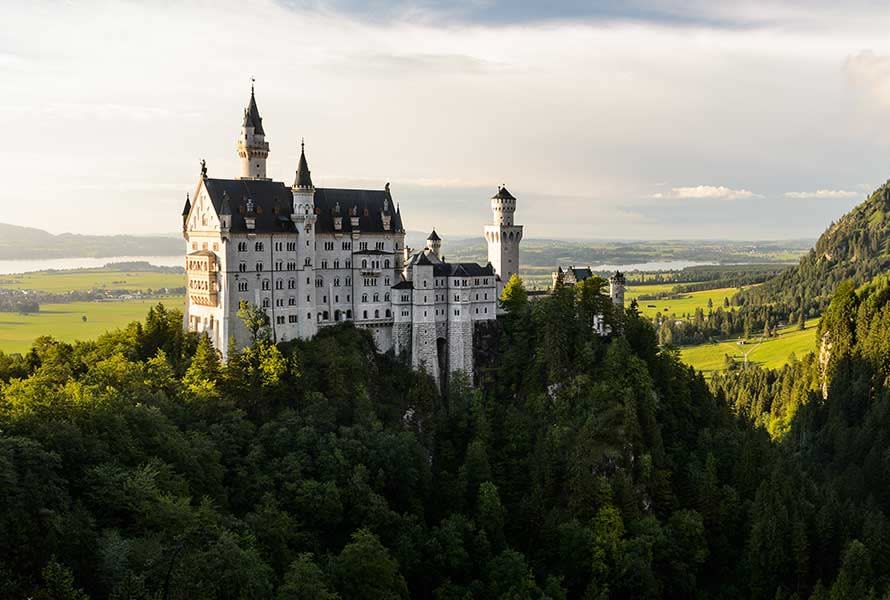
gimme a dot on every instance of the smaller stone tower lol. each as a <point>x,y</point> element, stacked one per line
<point>304,217</point>
<point>616,288</point>
<point>252,145</point>
<point>503,237</point>
<point>434,244</point>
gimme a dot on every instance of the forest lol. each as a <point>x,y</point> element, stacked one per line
<point>140,466</point>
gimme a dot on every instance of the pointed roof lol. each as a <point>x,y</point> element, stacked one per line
<point>434,237</point>
<point>252,116</point>
<point>503,194</point>
<point>188,206</point>
<point>304,176</point>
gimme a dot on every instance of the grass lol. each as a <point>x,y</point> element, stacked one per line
<point>58,282</point>
<point>771,353</point>
<point>684,304</point>
<point>65,321</point>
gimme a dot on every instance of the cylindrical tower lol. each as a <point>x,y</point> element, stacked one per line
<point>616,288</point>
<point>253,149</point>
<point>503,237</point>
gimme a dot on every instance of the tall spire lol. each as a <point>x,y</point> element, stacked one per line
<point>304,176</point>
<point>188,206</point>
<point>252,116</point>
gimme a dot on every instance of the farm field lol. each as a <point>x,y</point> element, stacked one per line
<point>772,353</point>
<point>65,321</point>
<point>59,282</point>
<point>684,305</point>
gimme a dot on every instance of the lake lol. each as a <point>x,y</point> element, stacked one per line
<point>9,267</point>
<point>667,265</point>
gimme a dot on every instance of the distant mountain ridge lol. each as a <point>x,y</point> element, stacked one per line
<point>25,243</point>
<point>856,247</point>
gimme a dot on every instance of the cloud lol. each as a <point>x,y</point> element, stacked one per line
<point>870,73</point>
<point>713,192</point>
<point>821,194</point>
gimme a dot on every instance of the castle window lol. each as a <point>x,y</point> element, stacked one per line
<point>307,281</point>
<point>336,298</point>
<point>278,246</point>
<point>347,245</point>
<point>279,302</point>
<point>348,264</point>
<point>291,318</point>
<point>259,266</point>
<point>477,296</point>
<point>424,283</point>
<point>336,282</point>
<point>364,297</point>
<point>348,314</point>
<point>376,297</point>
<point>291,284</point>
<point>279,320</point>
<point>291,301</point>
<point>291,246</point>
<point>308,262</point>
<point>364,264</point>
<point>364,314</point>
<point>242,286</point>
<point>485,281</point>
<point>386,297</point>
<point>279,285</point>
<point>258,246</point>
<point>336,315</point>
<point>348,281</point>
<point>376,314</point>
<point>348,299</point>
<point>308,299</point>
<point>456,313</point>
<point>380,245</point>
<point>477,281</point>
<point>424,313</point>
<point>386,281</point>
<point>265,284</point>
<point>326,316</point>
<point>324,299</point>
<point>485,296</point>
<point>242,267</point>
<point>486,309</point>
<point>266,303</point>
<point>386,263</point>
<point>336,264</point>
<point>388,315</point>
<point>363,245</point>
<point>309,316</point>
<point>457,297</point>
<point>324,264</point>
<point>242,246</point>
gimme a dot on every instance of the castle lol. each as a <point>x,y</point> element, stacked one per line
<point>314,257</point>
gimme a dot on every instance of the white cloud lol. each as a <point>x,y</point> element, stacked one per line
<point>715,192</point>
<point>821,194</point>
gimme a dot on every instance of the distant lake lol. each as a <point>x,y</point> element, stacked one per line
<point>9,267</point>
<point>667,265</point>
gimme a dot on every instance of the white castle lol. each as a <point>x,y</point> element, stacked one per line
<point>314,257</point>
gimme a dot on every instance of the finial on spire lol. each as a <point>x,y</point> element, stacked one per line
<point>302,144</point>
<point>252,81</point>
<point>203,168</point>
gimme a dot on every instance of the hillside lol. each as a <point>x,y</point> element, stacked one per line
<point>19,243</point>
<point>857,247</point>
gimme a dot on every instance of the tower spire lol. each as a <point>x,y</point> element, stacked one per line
<point>303,179</point>
<point>252,145</point>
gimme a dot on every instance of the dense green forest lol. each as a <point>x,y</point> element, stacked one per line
<point>139,466</point>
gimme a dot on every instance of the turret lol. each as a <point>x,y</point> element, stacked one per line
<point>304,191</point>
<point>503,237</point>
<point>252,145</point>
<point>616,288</point>
<point>185,212</point>
<point>434,243</point>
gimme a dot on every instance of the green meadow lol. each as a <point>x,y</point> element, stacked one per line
<point>683,304</point>
<point>66,321</point>
<point>770,353</point>
<point>59,282</point>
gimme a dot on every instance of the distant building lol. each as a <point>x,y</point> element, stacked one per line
<point>313,257</point>
<point>574,275</point>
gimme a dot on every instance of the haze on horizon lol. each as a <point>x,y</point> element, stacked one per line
<point>626,120</point>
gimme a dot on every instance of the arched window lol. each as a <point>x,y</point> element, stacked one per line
<point>326,315</point>
<point>364,297</point>
<point>386,263</point>
<point>376,297</point>
<point>266,303</point>
<point>348,314</point>
<point>386,297</point>
<point>258,246</point>
<point>365,314</point>
<point>376,314</point>
<point>336,315</point>
<point>387,313</point>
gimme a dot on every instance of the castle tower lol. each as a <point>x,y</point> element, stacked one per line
<point>434,243</point>
<point>252,145</point>
<point>503,237</point>
<point>304,217</point>
<point>616,288</point>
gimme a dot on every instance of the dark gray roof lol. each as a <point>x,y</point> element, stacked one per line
<point>434,237</point>
<point>445,269</point>
<point>404,285</point>
<point>188,206</point>
<point>503,194</point>
<point>374,252</point>
<point>369,205</point>
<point>273,202</point>
<point>252,116</point>
<point>304,176</point>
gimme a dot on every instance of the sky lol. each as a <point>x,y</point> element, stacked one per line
<point>615,119</point>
